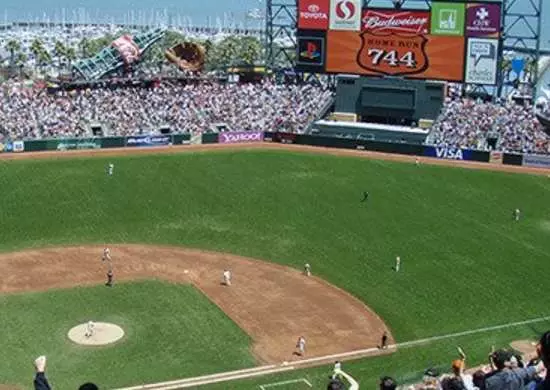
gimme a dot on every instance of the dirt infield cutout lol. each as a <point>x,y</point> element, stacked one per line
<point>102,333</point>
<point>273,304</point>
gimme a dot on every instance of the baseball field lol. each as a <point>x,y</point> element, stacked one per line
<point>470,275</point>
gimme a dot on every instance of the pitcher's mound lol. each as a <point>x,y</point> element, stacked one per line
<point>103,334</point>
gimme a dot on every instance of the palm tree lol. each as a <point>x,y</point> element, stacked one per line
<point>70,56</point>
<point>14,48</point>
<point>44,59</point>
<point>37,47</point>
<point>250,50</point>
<point>84,46</point>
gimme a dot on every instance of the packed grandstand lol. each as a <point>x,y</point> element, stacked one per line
<point>29,113</point>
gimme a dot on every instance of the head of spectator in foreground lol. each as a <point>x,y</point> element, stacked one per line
<point>544,349</point>
<point>501,359</point>
<point>452,383</point>
<point>479,379</point>
<point>387,383</point>
<point>88,386</point>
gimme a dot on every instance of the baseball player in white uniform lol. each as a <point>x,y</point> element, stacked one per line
<point>417,161</point>
<point>89,329</point>
<point>397,263</point>
<point>301,345</point>
<point>106,255</point>
<point>517,214</point>
<point>307,269</point>
<point>227,277</point>
<point>111,169</point>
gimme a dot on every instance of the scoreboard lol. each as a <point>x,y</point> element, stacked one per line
<point>454,41</point>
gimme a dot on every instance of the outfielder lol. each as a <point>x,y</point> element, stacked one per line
<point>307,269</point>
<point>110,169</point>
<point>89,329</point>
<point>301,345</point>
<point>517,214</point>
<point>227,277</point>
<point>397,263</point>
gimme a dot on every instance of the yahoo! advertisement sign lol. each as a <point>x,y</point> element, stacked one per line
<point>240,137</point>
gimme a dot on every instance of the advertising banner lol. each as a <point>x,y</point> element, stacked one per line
<point>392,54</point>
<point>496,157</point>
<point>482,61</point>
<point>240,137</point>
<point>5,147</point>
<point>313,14</point>
<point>18,146</point>
<point>448,19</point>
<point>448,153</point>
<point>311,51</point>
<point>386,21</point>
<point>537,161</point>
<point>148,140</point>
<point>74,144</point>
<point>483,20</point>
<point>345,15</point>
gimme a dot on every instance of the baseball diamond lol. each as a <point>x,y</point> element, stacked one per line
<point>176,218</point>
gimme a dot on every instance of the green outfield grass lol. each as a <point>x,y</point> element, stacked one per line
<point>465,262</point>
<point>171,331</point>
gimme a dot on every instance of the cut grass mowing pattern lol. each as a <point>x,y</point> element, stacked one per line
<point>465,263</point>
<point>171,331</point>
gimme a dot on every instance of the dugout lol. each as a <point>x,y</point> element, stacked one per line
<point>393,101</point>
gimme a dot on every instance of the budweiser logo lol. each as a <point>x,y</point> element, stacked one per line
<point>313,12</point>
<point>403,22</point>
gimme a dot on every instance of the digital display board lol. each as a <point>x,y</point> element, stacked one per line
<point>453,41</point>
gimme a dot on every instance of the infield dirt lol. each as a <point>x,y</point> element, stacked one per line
<point>273,304</point>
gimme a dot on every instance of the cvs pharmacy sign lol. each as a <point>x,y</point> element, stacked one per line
<point>313,14</point>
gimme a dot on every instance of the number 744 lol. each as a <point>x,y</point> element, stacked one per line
<point>392,58</point>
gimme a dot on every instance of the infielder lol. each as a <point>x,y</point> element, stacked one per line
<point>301,345</point>
<point>109,278</point>
<point>397,263</point>
<point>384,343</point>
<point>307,269</point>
<point>416,161</point>
<point>517,214</point>
<point>89,329</point>
<point>227,277</point>
<point>110,169</point>
<point>106,255</point>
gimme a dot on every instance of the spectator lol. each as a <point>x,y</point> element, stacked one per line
<point>40,380</point>
<point>387,383</point>
<point>544,353</point>
<point>506,378</point>
<point>478,379</point>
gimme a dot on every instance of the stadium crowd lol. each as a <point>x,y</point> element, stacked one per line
<point>468,123</point>
<point>506,371</point>
<point>28,113</point>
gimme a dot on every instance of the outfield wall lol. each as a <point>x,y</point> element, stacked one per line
<point>138,141</point>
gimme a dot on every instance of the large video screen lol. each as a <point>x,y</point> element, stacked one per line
<point>453,41</point>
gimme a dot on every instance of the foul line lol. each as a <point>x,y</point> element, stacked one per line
<point>301,380</point>
<point>273,369</point>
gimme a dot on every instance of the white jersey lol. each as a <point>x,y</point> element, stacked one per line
<point>227,276</point>
<point>111,169</point>
<point>301,343</point>
<point>106,254</point>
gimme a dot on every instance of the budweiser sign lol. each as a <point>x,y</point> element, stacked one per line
<point>399,22</point>
<point>313,14</point>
